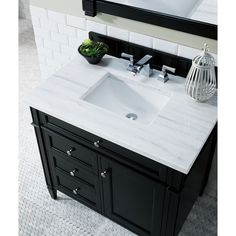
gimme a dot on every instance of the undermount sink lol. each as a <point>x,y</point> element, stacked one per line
<point>127,98</point>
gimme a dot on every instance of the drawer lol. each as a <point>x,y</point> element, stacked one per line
<point>119,153</point>
<point>71,149</point>
<point>69,130</point>
<point>78,190</point>
<point>74,169</point>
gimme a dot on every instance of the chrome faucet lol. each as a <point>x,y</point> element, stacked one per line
<point>163,74</point>
<point>131,60</point>
<point>139,67</point>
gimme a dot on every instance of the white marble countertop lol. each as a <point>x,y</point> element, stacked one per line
<point>174,139</point>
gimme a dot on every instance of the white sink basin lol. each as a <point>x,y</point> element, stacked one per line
<point>128,99</point>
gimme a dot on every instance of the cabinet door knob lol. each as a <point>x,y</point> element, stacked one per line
<point>72,173</point>
<point>70,151</point>
<point>96,144</point>
<point>104,173</point>
<point>75,191</point>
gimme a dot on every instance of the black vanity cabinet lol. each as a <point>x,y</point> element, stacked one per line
<point>131,198</point>
<point>73,168</point>
<point>144,196</point>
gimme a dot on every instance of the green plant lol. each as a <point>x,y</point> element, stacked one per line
<point>93,49</point>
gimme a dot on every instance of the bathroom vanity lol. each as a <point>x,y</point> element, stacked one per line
<point>143,173</point>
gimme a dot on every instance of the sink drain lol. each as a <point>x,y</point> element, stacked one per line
<point>132,116</point>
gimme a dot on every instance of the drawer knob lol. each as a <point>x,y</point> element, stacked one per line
<point>104,173</point>
<point>70,151</point>
<point>96,144</point>
<point>75,191</point>
<point>72,173</point>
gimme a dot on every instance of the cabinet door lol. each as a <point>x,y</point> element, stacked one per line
<point>131,198</point>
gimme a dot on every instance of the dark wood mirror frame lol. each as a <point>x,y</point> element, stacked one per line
<point>91,7</point>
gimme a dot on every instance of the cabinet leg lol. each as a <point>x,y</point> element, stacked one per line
<point>52,192</point>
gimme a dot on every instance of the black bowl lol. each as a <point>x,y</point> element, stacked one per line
<point>91,60</point>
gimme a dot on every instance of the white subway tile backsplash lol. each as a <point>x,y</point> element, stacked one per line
<point>41,59</point>
<point>74,42</point>
<point>67,30</point>
<point>77,22</point>
<point>44,51</point>
<point>165,46</point>
<point>97,27</point>
<point>82,35</point>
<point>35,21</point>
<point>42,33</point>
<point>60,38</point>
<point>57,17</point>
<point>38,11</point>
<point>68,50</point>
<point>118,33</point>
<point>141,39</point>
<point>53,63</point>
<point>48,24</point>
<point>61,58</point>
<point>188,52</point>
<point>55,46</point>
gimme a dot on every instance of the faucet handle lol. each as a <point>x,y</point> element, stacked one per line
<point>131,60</point>
<point>164,74</point>
<point>168,68</point>
<point>129,56</point>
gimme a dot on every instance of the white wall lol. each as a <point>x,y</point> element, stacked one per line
<point>74,7</point>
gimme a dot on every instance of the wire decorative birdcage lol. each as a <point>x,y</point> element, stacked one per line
<point>201,79</point>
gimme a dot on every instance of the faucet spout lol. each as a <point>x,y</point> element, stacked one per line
<point>144,60</point>
<point>140,64</point>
